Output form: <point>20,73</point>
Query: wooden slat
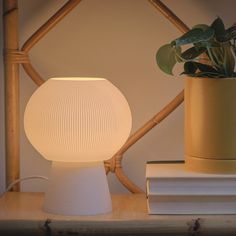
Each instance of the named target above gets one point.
<point>11,75</point>
<point>49,24</point>
<point>41,32</point>
<point>166,12</point>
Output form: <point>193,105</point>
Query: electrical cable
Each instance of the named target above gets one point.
<point>23,179</point>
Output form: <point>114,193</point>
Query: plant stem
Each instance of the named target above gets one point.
<point>212,59</point>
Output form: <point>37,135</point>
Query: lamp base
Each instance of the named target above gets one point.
<point>77,189</point>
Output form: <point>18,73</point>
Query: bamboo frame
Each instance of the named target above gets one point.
<point>41,32</point>
<point>11,74</point>
<point>14,57</point>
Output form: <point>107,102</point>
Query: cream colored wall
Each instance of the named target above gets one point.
<point>116,40</point>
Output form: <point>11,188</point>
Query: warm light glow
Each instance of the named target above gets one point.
<point>77,123</point>
<point>77,119</point>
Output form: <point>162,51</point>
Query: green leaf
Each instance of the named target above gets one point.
<point>221,34</point>
<point>211,43</point>
<point>201,26</point>
<point>231,32</point>
<point>218,44</point>
<point>216,55</point>
<point>205,68</point>
<point>194,36</point>
<point>209,75</point>
<point>178,57</point>
<point>223,58</point>
<point>219,28</point>
<point>166,58</point>
<point>190,67</point>
<point>188,37</point>
<point>192,53</point>
<point>228,61</point>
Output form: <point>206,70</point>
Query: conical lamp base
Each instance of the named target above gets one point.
<point>77,189</point>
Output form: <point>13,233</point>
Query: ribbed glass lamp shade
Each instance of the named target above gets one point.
<point>77,123</point>
<point>77,119</point>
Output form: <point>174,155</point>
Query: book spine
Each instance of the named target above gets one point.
<point>182,187</point>
<point>192,205</point>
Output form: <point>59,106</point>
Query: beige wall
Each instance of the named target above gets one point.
<point>116,40</point>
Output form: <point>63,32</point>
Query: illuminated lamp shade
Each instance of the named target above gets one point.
<point>77,123</point>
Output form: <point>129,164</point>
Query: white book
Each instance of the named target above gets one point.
<point>171,178</point>
<point>191,205</point>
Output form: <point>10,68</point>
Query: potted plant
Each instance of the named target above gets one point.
<point>208,56</point>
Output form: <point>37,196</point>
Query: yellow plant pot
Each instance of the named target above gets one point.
<point>210,125</point>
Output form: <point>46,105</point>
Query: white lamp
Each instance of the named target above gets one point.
<point>77,123</point>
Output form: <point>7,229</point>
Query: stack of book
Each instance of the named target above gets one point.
<point>173,190</point>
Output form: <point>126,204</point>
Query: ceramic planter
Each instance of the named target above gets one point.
<point>210,125</point>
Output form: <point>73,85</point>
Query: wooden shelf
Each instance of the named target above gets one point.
<point>21,214</point>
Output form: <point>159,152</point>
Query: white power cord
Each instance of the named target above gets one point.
<point>23,179</point>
